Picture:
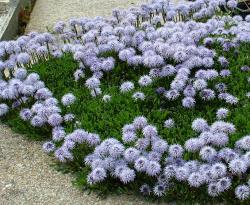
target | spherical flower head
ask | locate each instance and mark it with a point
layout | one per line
(196, 179)
(188, 102)
(145, 80)
(68, 99)
(222, 113)
(208, 153)
(193, 144)
(20, 73)
(232, 4)
(221, 87)
(127, 86)
(200, 125)
(153, 168)
(219, 139)
(106, 98)
(97, 175)
(225, 73)
(129, 137)
(159, 190)
(242, 192)
(160, 146)
(169, 171)
(218, 170)
(224, 184)
(175, 151)
(43, 94)
(189, 91)
(3, 109)
(23, 58)
(131, 154)
(169, 123)
(37, 121)
(172, 94)
(138, 96)
(199, 84)
(127, 175)
(58, 134)
(237, 166)
(245, 68)
(213, 189)
(92, 139)
(55, 119)
(145, 189)
(207, 94)
(140, 122)
(51, 102)
(224, 127)
(141, 164)
(92, 83)
(78, 74)
(116, 150)
(223, 61)
(244, 143)
(25, 114)
(128, 128)
(69, 117)
(182, 173)
(49, 147)
(150, 131)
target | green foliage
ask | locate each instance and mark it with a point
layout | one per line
(107, 119)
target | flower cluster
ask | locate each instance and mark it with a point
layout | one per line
(171, 43)
(151, 155)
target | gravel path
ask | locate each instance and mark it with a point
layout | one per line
(47, 12)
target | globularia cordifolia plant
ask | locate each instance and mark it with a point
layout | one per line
(174, 43)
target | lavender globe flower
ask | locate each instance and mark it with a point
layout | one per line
(175, 151)
(242, 192)
(169, 123)
(153, 168)
(126, 87)
(55, 119)
(149, 131)
(37, 121)
(92, 83)
(49, 147)
(140, 122)
(222, 113)
(141, 164)
(159, 190)
(3, 109)
(145, 189)
(69, 117)
(208, 153)
(68, 99)
(188, 102)
(145, 81)
(127, 175)
(213, 189)
(237, 166)
(224, 184)
(200, 125)
(26, 114)
(195, 179)
(138, 96)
